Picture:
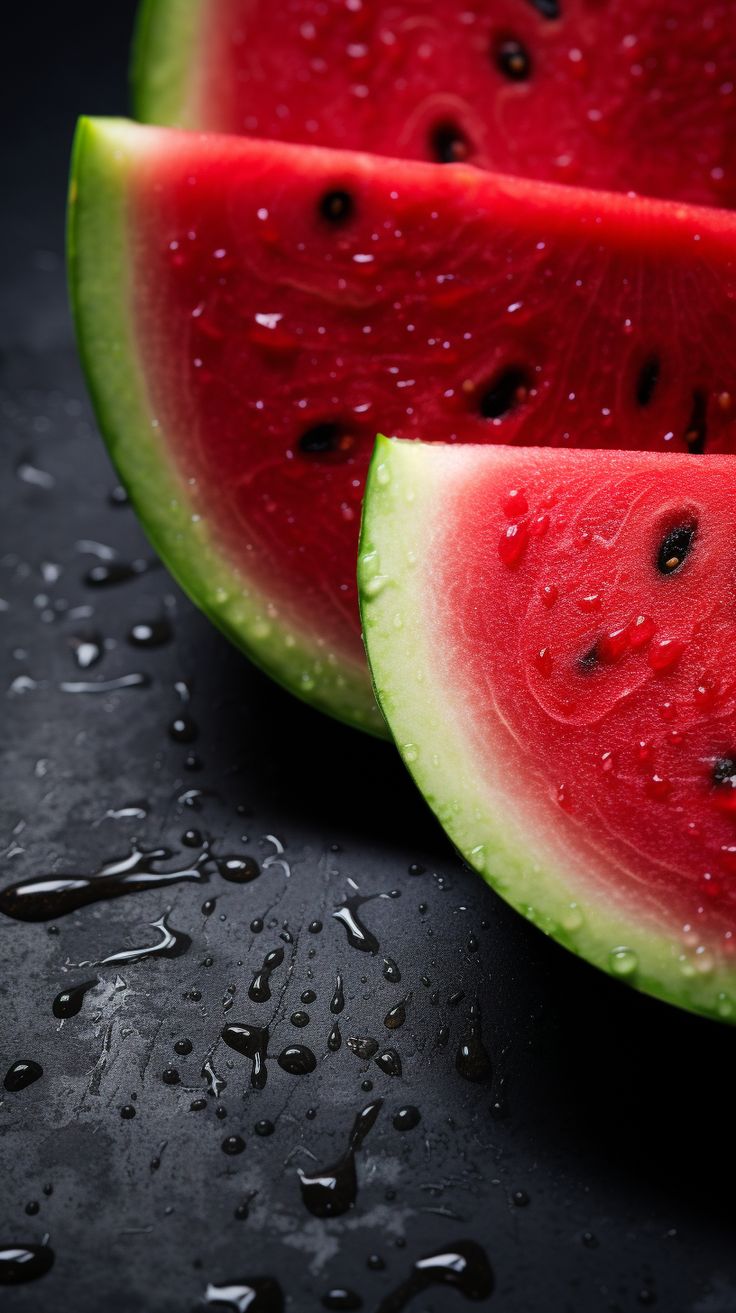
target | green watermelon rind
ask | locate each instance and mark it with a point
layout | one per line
(164, 60)
(402, 507)
(99, 265)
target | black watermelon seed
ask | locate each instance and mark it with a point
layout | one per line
(647, 380)
(505, 394)
(724, 771)
(674, 548)
(448, 144)
(696, 433)
(320, 439)
(589, 660)
(337, 206)
(513, 60)
(546, 8)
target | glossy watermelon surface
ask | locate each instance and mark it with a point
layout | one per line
(552, 637)
(252, 313)
(633, 95)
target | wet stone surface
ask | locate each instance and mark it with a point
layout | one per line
(592, 1106)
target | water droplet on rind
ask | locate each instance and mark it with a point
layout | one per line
(623, 961)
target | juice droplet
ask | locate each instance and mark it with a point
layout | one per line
(709, 886)
(613, 645)
(667, 711)
(606, 763)
(728, 857)
(550, 594)
(513, 543)
(644, 751)
(515, 504)
(623, 961)
(591, 602)
(706, 692)
(543, 662)
(563, 798)
(641, 631)
(665, 653)
(658, 787)
(539, 525)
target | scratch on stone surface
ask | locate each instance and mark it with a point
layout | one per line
(151, 1044)
(299, 1148)
(95, 1077)
(286, 982)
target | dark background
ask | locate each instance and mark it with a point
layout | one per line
(612, 1114)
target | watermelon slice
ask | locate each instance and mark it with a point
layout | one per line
(251, 313)
(552, 637)
(633, 95)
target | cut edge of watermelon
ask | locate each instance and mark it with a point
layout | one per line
(401, 512)
(99, 281)
(165, 38)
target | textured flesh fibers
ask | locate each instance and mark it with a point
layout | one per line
(261, 324)
(633, 95)
(604, 762)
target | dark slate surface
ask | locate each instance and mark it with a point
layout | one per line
(595, 1168)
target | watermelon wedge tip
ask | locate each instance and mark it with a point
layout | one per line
(552, 638)
(103, 281)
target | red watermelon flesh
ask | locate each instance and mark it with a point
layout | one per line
(563, 687)
(271, 307)
(633, 95)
